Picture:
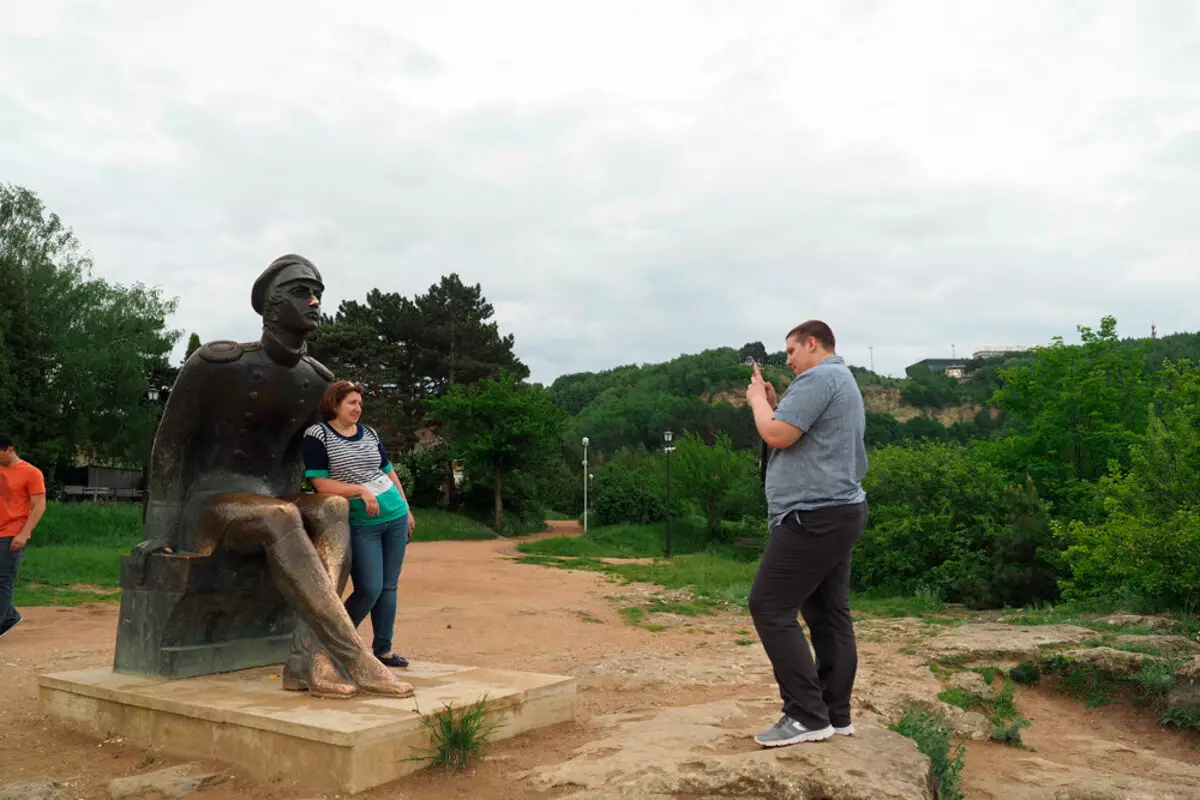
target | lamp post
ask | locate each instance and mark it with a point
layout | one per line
(667, 436)
(585, 484)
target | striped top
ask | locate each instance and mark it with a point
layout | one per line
(361, 459)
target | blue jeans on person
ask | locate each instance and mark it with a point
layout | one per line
(9, 562)
(376, 555)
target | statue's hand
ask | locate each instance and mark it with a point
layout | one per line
(141, 554)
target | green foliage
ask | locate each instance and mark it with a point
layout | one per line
(1071, 411)
(78, 354)
(429, 470)
(1026, 673)
(932, 737)
(1147, 544)
(944, 517)
(457, 738)
(405, 352)
(498, 426)
(926, 389)
(720, 482)
(630, 488)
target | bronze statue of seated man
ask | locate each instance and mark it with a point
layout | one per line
(226, 472)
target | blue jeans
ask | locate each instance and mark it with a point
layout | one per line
(376, 555)
(9, 561)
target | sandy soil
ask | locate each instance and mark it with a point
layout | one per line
(471, 603)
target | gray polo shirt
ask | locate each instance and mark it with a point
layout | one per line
(826, 465)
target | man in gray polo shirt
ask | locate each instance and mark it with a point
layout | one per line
(817, 510)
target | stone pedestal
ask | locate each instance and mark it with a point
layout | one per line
(187, 615)
(245, 718)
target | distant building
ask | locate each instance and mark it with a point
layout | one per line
(950, 367)
(997, 352)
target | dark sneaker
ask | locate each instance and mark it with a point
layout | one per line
(4, 631)
(394, 660)
(789, 731)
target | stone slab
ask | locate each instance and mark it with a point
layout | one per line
(245, 718)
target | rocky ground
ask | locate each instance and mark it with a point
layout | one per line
(670, 712)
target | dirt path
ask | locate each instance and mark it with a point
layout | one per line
(470, 603)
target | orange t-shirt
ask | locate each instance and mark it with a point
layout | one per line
(18, 484)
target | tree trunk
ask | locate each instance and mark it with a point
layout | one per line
(499, 501)
(712, 518)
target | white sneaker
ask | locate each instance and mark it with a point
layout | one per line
(846, 731)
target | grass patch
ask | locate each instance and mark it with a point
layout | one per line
(1088, 616)
(743, 642)
(1001, 710)
(626, 541)
(586, 617)
(1084, 682)
(439, 525)
(920, 604)
(932, 737)
(457, 738)
(1183, 717)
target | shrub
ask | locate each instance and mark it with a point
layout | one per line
(942, 515)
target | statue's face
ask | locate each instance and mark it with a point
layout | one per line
(296, 305)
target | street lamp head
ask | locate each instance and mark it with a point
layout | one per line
(667, 436)
(585, 441)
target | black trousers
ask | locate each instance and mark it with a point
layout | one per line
(805, 570)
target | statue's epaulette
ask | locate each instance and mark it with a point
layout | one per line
(226, 351)
(321, 369)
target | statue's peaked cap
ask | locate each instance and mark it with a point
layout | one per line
(259, 292)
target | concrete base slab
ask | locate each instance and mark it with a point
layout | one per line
(247, 719)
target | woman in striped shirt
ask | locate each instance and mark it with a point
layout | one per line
(344, 457)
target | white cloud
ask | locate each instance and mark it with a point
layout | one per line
(629, 181)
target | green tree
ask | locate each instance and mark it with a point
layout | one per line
(943, 516)
(497, 426)
(452, 341)
(1070, 411)
(1147, 545)
(78, 355)
(193, 345)
(720, 481)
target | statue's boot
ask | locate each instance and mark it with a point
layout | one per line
(374, 677)
(317, 673)
(294, 564)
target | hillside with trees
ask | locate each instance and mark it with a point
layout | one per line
(1071, 471)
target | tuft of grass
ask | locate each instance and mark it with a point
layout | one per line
(988, 673)
(1082, 681)
(743, 642)
(586, 617)
(1026, 673)
(457, 738)
(1001, 710)
(1182, 717)
(932, 737)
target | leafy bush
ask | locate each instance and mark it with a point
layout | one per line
(629, 489)
(428, 469)
(1025, 673)
(941, 515)
(1148, 544)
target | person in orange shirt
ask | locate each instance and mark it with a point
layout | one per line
(22, 503)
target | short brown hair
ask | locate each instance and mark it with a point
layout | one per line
(334, 395)
(817, 330)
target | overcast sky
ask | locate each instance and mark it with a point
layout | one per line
(633, 180)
